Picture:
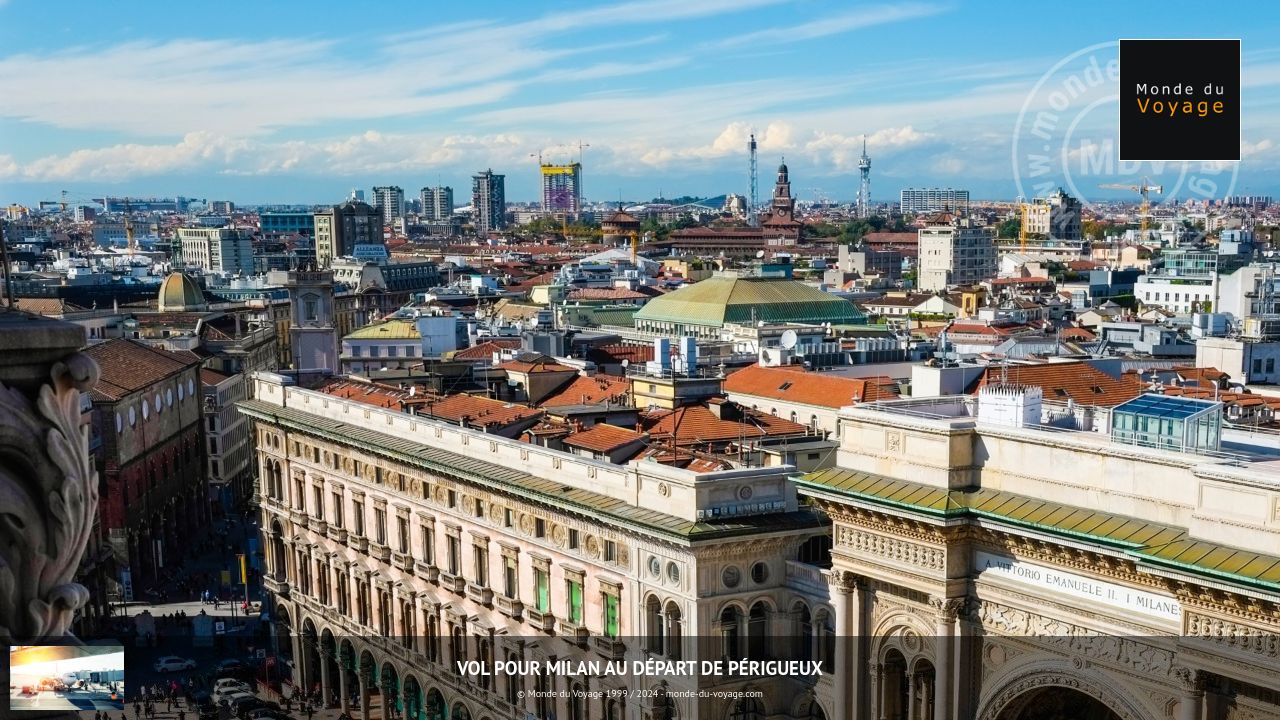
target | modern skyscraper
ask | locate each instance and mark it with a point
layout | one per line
(489, 201)
(437, 202)
(389, 199)
(340, 229)
(924, 200)
(562, 188)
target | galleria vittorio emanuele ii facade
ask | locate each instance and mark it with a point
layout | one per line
(960, 561)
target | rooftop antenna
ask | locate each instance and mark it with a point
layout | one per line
(754, 202)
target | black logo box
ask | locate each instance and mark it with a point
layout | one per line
(1180, 66)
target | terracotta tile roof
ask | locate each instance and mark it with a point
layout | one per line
(211, 377)
(595, 390)
(1075, 333)
(129, 366)
(698, 425)
(911, 300)
(478, 412)
(1077, 381)
(1080, 265)
(543, 364)
(486, 349)
(1208, 377)
(368, 393)
(604, 438)
(617, 353)
(808, 388)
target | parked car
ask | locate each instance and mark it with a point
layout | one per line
(226, 697)
(242, 707)
(173, 663)
(207, 710)
(228, 682)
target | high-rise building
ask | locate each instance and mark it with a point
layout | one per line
(1055, 218)
(955, 250)
(562, 188)
(222, 207)
(389, 200)
(923, 200)
(221, 249)
(340, 229)
(437, 202)
(489, 201)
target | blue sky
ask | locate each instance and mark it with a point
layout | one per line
(301, 101)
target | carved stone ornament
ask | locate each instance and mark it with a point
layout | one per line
(48, 485)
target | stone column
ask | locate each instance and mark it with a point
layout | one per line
(877, 690)
(913, 696)
(364, 695)
(299, 657)
(946, 609)
(344, 692)
(1191, 704)
(841, 588)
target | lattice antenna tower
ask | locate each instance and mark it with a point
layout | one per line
(864, 187)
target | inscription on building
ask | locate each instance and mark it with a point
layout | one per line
(1066, 583)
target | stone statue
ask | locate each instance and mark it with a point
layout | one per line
(48, 484)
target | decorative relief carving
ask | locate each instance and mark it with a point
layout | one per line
(892, 548)
(1232, 635)
(1075, 641)
(48, 499)
(893, 441)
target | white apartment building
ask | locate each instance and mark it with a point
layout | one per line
(227, 436)
(927, 200)
(956, 251)
(389, 201)
(398, 546)
(226, 250)
(437, 203)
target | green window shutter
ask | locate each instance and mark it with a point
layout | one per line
(575, 603)
(611, 615)
(544, 591)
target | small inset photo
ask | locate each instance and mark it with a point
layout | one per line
(81, 678)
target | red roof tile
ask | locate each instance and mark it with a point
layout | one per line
(583, 390)
(808, 388)
(128, 366)
(698, 425)
(486, 349)
(604, 438)
(543, 364)
(1060, 382)
(477, 411)
(368, 393)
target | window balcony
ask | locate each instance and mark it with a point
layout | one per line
(510, 607)
(359, 543)
(480, 594)
(574, 633)
(545, 622)
(380, 551)
(455, 584)
(609, 648)
(276, 583)
(337, 533)
(430, 573)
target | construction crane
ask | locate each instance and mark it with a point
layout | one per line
(1144, 211)
(1022, 227)
(128, 228)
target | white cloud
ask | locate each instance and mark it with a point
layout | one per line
(858, 19)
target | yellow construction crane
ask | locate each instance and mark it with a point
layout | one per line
(1022, 227)
(1144, 211)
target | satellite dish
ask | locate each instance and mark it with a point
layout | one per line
(759, 253)
(626, 363)
(789, 339)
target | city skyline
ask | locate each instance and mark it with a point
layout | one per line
(279, 107)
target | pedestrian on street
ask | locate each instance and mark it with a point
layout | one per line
(311, 710)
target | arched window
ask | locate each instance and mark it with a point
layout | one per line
(731, 632)
(802, 630)
(757, 631)
(577, 706)
(675, 631)
(655, 623)
(794, 417)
